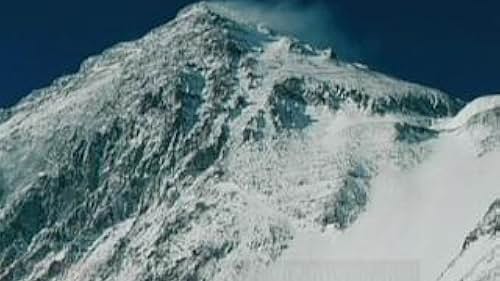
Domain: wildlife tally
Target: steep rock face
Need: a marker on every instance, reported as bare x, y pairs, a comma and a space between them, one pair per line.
196, 152
479, 258
113, 141
489, 226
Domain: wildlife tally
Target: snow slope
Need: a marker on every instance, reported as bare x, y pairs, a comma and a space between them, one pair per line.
418, 216
478, 106
215, 149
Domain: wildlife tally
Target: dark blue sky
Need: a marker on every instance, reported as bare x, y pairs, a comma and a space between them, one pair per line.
451, 45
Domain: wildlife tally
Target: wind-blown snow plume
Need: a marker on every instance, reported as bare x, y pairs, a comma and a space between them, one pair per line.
314, 22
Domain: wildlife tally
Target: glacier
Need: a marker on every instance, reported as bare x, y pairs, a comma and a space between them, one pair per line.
214, 148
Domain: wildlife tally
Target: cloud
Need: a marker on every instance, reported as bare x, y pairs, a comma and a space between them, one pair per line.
313, 22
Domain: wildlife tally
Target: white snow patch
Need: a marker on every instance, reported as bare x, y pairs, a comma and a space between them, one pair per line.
421, 215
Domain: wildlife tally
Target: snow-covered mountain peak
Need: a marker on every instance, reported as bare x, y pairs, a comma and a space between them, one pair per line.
209, 33
201, 151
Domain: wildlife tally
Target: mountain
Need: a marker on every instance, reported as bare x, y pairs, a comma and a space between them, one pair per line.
208, 148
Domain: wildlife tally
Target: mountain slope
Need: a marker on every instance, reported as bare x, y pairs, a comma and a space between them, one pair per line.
479, 258
201, 151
